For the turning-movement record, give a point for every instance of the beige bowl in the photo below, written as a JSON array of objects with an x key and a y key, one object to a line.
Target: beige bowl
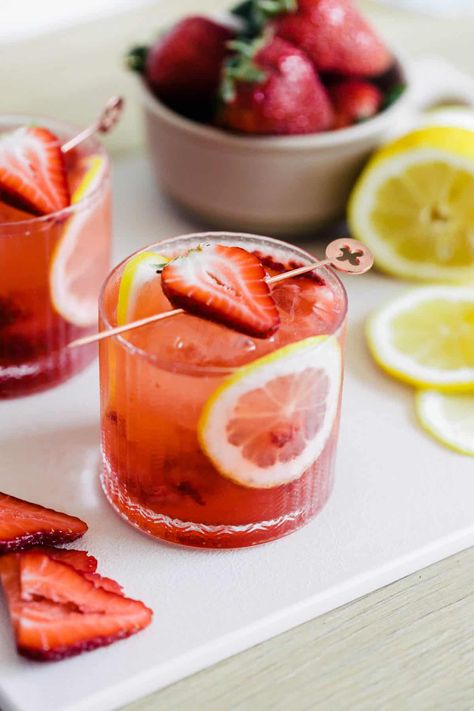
[{"x": 271, "y": 184}]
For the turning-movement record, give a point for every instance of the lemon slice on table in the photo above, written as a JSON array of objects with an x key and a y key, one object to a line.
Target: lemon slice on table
[
  {"x": 268, "y": 422},
  {"x": 426, "y": 337},
  {"x": 137, "y": 284},
  {"x": 448, "y": 418},
  {"x": 413, "y": 205},
  {"x": 81, "y": 257}
]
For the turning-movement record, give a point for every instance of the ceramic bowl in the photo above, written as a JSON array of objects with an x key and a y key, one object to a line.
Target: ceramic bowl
[{"x": 274, "y": 185}]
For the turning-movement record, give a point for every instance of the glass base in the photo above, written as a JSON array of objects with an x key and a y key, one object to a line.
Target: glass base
[
  {"x": 200, "y": 535},
  {"x": 18, "y": 380}
]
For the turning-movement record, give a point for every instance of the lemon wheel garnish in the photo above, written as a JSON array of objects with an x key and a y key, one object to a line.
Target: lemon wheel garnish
[
  {"x": 138, "y": 272},
  {"x": 81, "y": 258},
  {"x": 426, "y": 337},
  {"x": 448, "y": 418},
  {"x": 413, "y": 205},
  {"x": 94, "y": 166},
  {"x": 270, "y": 421}
]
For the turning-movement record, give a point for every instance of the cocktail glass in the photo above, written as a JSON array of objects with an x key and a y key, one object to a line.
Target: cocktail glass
[
  {"x": 52, "y": 268},
  {"x": 211, "y": 438}
]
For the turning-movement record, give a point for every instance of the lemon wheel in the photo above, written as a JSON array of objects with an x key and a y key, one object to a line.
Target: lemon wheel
[
  {"x": 139, "y": 277},
  {"x": 413, "y": 205},
  {"x": 81, "y": 257},
  {"x": 267, "y": 423},
  {"x": 448, "y": 418},
  {"x": 426, "y": 337}
]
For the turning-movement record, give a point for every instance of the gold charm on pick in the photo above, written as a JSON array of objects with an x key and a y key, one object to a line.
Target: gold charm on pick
[{"x": 349, "y": 256}]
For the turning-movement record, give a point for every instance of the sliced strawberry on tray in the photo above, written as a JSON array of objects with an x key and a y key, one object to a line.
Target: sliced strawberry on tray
[
  {"x": 80, "y": 560},
  {"x": 105, "y": 583},
  {"x": 23, "y": 525},
  {"x": 57, "y": 612},
  {"x": 10, "y": 579},
  {"x": 84, "y": 563},
  {"x": 32, "y": 171},
  {"x": 223, "y": 284}
]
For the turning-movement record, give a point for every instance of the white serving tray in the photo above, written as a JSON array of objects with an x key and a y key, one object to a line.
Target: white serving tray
[{"x": 400, "y": 503}]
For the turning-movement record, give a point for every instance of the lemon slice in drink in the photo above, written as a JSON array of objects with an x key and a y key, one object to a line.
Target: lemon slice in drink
[
  {"x": 426, "y": 337},
  {"x": 139, "y": 278},
  {"x": 94, "y": 167},
  {"x": 81, "y": 258},
  {"x": 448, "y": 418},
  {"x": 268, "y": 422},
  {"x": 413, "y": 205}
]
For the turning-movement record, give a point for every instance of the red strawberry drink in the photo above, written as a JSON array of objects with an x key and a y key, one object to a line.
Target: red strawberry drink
[
  {"x": 219, "y": 425},
  {"x": 54, "y": 251}
]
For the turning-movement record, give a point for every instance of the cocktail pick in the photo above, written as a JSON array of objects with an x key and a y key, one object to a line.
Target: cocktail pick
[
  {"x": 107, "y": 119},
  {"x": 345, "y": 255}
]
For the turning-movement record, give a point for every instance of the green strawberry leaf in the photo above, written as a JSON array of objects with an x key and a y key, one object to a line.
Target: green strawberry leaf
[
  {"x": 135, "y": 58},
  {"x": 393, "y": 94},
  {"x": 277, "y": 7},
  {"x": 158, "y": 267},
  {"x": 256, "y": 13},
  {"x": 240, "y": 67}
]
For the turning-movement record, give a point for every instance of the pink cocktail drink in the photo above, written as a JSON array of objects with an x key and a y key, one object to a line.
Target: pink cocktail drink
[
  {"x": 52, "y": 268},
  {"x": 210, "y": 437}
]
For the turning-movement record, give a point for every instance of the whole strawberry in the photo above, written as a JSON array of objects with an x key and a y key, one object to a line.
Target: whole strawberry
[
  {"x": 270, "y": 87},
  {"x": 354, "y": 100},
  {"x": 183, "y": 67},
  {"x": 335, "y": 37}
]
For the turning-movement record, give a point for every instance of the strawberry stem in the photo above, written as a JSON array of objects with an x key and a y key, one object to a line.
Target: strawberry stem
[
  {"x": 135, "y": 58},
  {"x": 241, "y": 67},
  {"x": 277, "y": 7},
  {"x": 255, "y": 13},
  {"x": 392, "y": 95}
]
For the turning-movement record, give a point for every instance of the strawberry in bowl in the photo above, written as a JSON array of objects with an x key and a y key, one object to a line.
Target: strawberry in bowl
[
  {"x": 271, "y": 88},
  {"x": 335, "y": 37},
  {"x": 199, "y": 63},
  {"x": 253, "y": 123},
  {"x": 183, "y": 68}
]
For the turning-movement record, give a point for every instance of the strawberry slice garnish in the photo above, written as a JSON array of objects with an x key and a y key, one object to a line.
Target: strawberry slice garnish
[
  {"x": 223, "y": 284},
  {"x": 32, "y": 171},
  {"x": 57, "y": 612},
  {"x": 23, "y": 525}
]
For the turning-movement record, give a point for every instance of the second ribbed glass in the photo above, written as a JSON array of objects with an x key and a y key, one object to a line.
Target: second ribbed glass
[{"x": 52, "y": 268}]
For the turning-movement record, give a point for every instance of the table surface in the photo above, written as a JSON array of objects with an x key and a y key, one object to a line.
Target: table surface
[{"x": 409, "y": 645}]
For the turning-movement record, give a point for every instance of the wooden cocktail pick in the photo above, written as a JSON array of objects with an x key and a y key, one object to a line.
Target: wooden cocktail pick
[
  {"x": 345, "y": 255},
  {"x": 107, "y": 119}
]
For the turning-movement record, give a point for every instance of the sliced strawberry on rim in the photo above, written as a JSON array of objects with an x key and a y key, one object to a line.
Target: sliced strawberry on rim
[
  {"x": 223, "y": 284},
  {"x": 32, "y": 171},
  {"x": 57, "y": 612},
  {"x": 23, "y": 525}
]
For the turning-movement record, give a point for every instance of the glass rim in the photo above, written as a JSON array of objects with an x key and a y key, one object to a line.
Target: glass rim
[
  {"x": 184, "y": 368},
  {"x": 72, "y": 208}
]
